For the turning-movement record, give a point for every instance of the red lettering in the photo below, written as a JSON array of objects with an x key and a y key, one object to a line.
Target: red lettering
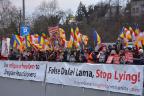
[
  {"x": 104, "y": 75},
  {"x": 22, "y": 66},
  {"x": 133, "y": 78}
]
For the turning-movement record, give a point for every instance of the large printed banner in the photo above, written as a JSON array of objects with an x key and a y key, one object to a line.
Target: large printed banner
[
  {"x": 23, "y": 70},
  {"x": 116, "y": 78}
]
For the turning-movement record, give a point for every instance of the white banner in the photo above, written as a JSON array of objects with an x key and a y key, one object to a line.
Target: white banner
[
  {"x": 116, "y": 78},
  {"x": 5, "y": 47},
  {"x": 23, "y": 70},
  {"x": 8, "y": 45}
]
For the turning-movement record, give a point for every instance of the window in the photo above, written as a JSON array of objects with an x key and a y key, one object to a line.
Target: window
[
  {"x": 133, "y": 10},
  {"x": 137, "y": 10},
  {"x": 142, "y": 10}
]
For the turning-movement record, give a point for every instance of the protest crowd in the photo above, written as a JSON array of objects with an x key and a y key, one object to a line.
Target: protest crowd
[
  {"x": 105, "y": 54},
  {"x": 117, "y": 53}
]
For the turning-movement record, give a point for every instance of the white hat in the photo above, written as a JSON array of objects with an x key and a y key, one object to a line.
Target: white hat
[
  {"x": 141, "y": 51},
  {"x": 113, "y": 52}
]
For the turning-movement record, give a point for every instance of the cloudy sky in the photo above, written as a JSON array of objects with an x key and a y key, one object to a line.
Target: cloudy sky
[{"x": 63, "y": 4}]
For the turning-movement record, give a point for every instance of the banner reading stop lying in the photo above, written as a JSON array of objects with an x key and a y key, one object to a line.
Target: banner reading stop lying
[{"x": 116, "y": 78}]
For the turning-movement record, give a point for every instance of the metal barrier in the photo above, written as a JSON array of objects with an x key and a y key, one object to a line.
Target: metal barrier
[{"x": 13, "y": 87}]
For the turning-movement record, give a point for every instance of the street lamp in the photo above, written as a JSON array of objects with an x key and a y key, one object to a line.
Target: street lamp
[{"x": 24, "y": 11}]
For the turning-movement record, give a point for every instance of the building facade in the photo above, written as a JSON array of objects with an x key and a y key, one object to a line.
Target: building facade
[{"x": 137, "y": 7}]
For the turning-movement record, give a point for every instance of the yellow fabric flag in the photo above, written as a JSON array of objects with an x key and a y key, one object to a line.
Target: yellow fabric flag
[
  {"x": 85, "y": 39},
  {"x": 128, "y": 33},
  {"x": 62, "y": 33},
  {"x": 69, "y": 44}
]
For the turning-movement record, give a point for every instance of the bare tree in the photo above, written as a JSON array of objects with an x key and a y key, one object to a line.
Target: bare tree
[
  {"x": 4, "y": 11},
  {"x": 48, "y": 8},
  {"x": 47, "y": 14},
  {"x": 9, "y": 16}
]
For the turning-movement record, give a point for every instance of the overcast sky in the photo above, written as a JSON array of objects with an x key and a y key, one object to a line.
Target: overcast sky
[{"x": 63, "y": 4}]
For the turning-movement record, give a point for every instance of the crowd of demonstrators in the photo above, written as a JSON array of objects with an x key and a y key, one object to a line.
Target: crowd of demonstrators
[{"x": 104, "y": 54}]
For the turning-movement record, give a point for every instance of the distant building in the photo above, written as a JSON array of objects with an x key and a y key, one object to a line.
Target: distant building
[
  {"x": 72, "y": 20},
  {"x": 137, "y": 7},
  {"x": 112, "y": 12}
]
